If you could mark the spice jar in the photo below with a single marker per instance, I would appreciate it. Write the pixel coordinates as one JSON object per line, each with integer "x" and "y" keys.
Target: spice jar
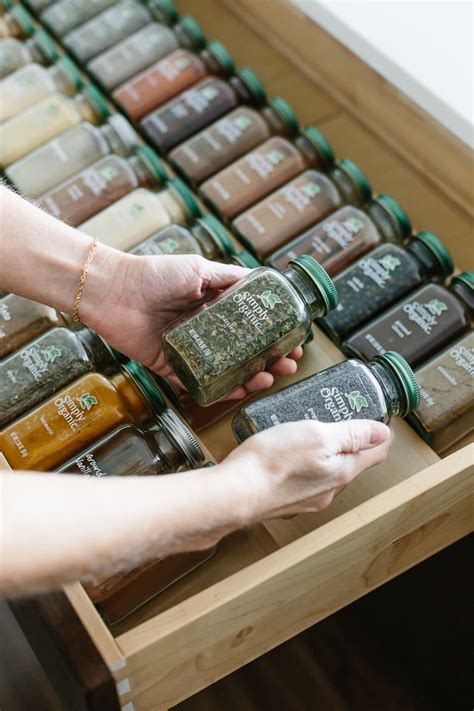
{"x": 21, "y": 320}
{"x": 446, "y": 412}
{"x": 15, "y": 54}
{"x": 32, "y": 83}
{"x": 229, "y": 138}
{"x": 101, "y": 184}
{"x": 17, "y": 23}
{"x": 78, "y": 415}
{"x": 64, "y": 15}
{"x": 261, "y": 171}
{"x": 247, "y": 327}
{"x": 45, "y": 365}
{"x": 165, "y": 447}
{"x": 142, "y": 49}
{"x": 139, "y": 214}
{"x": 111, "y": 26}
{"x": 169, "y": 77}
{"x": 304, "y": 201}
{"x": 70, "y": 152}
{"x": 207, "y": 237}
{"x": 421, "y": 323}
{"x": 38, "y": 5}
{"x": 47, "y": 119}
{"x": 384, "y": 388}
{"x": 196, "y": 108}
{"x": 347, "y": 234}
{"x": 378, "y": 280}
{"x": 245, "y": 259}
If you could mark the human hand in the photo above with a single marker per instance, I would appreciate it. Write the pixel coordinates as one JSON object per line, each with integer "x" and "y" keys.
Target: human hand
{"x": 300, "y": 467}
{"x": 141, "y": 296}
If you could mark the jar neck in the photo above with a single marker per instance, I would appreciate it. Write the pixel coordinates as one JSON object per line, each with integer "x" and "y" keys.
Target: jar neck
{"x": 394, "y": 395}
{"x": 164, "y": 449}
{"x": 35, "y": 51}
{"x": 61, "y": 80}
{"x": 144, "y": 176}
{"x": 113, "y": 139}
{"x": 86, "y": 109}
{"x": 309, "y": 152}
{"x": 387, "y": 227}
{"x": 306, "y": 290}
{"x": 277, "y": 126}
{"x": 131, "y": 396}
{"x": 98, "y": 352}
{"x": 175, "y": 205}
{"x": 208, "y": 245}
{"x": 242, "y": 93}
{"x": 465, "y": 295}
{"x": 184, "y": 40}
{"x": 430, "y": 266}
{"x": 348, "y": 190}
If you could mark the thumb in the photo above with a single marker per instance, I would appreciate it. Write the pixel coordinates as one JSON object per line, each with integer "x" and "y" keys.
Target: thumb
{"x": 221, "y": 276}
{"x": 354, "y": 436}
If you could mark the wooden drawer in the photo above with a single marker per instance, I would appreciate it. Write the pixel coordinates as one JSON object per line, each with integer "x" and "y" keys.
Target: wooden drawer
{"x": 268, "y": 583}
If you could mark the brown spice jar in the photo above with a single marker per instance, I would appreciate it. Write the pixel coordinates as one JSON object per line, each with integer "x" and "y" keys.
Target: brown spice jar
{"x": 22, "y": 320}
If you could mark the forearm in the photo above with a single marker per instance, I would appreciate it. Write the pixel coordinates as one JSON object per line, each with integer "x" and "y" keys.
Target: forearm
{"x": 60, "y": 528}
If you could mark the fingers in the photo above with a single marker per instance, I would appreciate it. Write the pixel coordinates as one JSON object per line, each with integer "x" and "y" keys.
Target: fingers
{"x": 353, "y": 436}
{"x": 353, "y": 464}
{"x": 221, "y": 276}
{"x": 284, "y": 366}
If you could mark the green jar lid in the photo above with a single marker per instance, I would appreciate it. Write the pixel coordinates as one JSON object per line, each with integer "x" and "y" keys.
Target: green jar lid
{"x": 164, "y": 10}
{"x": 222, "y": 57}
{"x": 24, "y": 19}
{"x": 466, "y": 278}
{"x": 182, "y": 436}
{"x": 357, "y": 176}
{"x": 396, "y": 212}
{"x": 124, "y": 131}
{"x": 145, "y": 382}
{"x": 193, "y": 31}
{"x": 218, "y": 233}
{"x": 72, "y": 71}
{"x": 285, "y": 112}
{"x": 320, "y": 143}
{"x": 153, "y": 163}
{"x": 187, "y": 197}
{"x": 98, "y": 100}
{"x": 7, "y": 4}
{"x": 47, "y": 45}
{"x": 405, "y": 377}
{"x": 245, "y": 259}
{"x": 253, "y": 84}
{"x": 438, "y": 249}
{"x": 320, "y": 278}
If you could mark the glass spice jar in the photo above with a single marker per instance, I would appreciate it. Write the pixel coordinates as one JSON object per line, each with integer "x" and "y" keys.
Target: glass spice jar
{"x": 231, "y": 137}
{"x": 196, "y": 108}
{"x": 446, "y": 412}
{"x": 101, "y": 184}
{"x": 245, "y": 259}
{"x": 32, "y": 83}
{"x": 48, "y": 363}
{"x": 70, "y": 152}
{"x": 17, "y": 23}
{"x": 165, "y": 447}
{"x": 38, "y": 5}
{"x": 47, "y": 119}
{"x": 142, "y": 49}
{"x": 207, "y": 237}
{"x": 347, "y": 234}
{"x": 22, "y": 320}
{"x": 78, "y": 415}
{"x": 384, "y": 276}
{"x": 15, "y": 53}
{"x": 112, "y": 25}
{"x": 141, "y": 213}
{"x": 421, "y": 323}
{"x": 64, "y": 15}
{"x": 384, "y": 388}
{"x": 264, "y": 169}
{"x": 169, "y": 77}
{"x": 247, "y": 327}
{"x": 303, "y": 202}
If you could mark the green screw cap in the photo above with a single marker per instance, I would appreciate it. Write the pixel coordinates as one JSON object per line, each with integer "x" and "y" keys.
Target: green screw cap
{"x": 405, "y": 377}
{"x": 218, "y": 234}
{"x": 164, "y": 10}
{"x": 358, "y": 178}
{"x": 320, "y": 144}
{"x": 396, "y": 212}
{"x": 253, "y": 84}
{"x": 222, "y": 57}
{"x": 24, "y": 19}
{"x": 439, "y": 251}
{"x": 320, "y": 278}
{"x": 145, "y": 382}
{"x": 46, "y": 45}
{"x": 7, "y": 4}
{"x": 181, "y": 436}
{"x": 193, "y": 31}
{"x": 71, "y": 70}
{"x": 97, "y": 99}
{"x": 466, "y": 278}
{"x": 186, "y": 196}
{"x": 153, "y": 163}
{"x": 245, "y": 259}
{"x": 286, "y": 113}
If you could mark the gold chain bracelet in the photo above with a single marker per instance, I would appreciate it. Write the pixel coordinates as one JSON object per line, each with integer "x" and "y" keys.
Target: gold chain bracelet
{"x": 84, "y": 272}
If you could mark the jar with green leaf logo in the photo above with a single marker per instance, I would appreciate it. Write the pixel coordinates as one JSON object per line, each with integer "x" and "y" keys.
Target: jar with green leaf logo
{"x": 247, "y": 328}
{"x": 384, "y": 388}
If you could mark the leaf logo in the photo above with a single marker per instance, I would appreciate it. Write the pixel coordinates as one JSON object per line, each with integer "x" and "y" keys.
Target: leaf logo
{"x": 436, "y": 307}
{"x": 270, "y": 300}
{"x": 169, "y": 245}
{"x": 51, "y": 353}
{"x": 86, "y": 401}
{"x": 356, "y": 400}
{"x": 390, "y": 263}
